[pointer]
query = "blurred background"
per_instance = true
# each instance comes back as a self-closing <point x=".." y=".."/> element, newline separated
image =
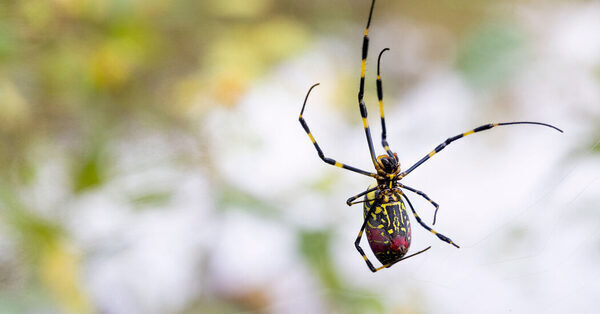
<point x="152" y="161"/>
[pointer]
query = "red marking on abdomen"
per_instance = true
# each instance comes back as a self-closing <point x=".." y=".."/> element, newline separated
<point x="377" y="240"/>
<point x="399" y="243"/>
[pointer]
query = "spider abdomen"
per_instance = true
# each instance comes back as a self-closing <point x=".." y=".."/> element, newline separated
<point x="388" y="226"/>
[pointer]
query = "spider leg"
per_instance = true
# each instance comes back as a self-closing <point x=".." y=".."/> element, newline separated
<point x="439" y="235"/>
<point x="361" y="201"/>
<point x="319" y="151"/>
<point x="384" y="142"/>
<point x="475" y="130"/>
<point x="361" y="90"/>
<point x="351" y="199"/>
<point x="359" y="249"/>
<point x="424" y="196"/>
<point x="405" y="257"/>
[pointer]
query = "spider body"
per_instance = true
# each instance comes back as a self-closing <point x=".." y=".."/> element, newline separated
<point x="385" y="216"/>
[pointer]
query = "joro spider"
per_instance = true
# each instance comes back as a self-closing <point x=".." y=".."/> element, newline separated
<point x="385" y="216"/>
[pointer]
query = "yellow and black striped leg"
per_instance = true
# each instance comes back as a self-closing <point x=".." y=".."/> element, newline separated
<point x="424" y="196"/>
<point x="384" y="142"/>
<point x="475" y="130"/>
<point x="360" y="250"/>
<point x="361" y="90"/>
<point x="405" y="257"/>
<point x="319" y="151"/>
<point x="439" y="235"/>
<point x="351" y="199"/>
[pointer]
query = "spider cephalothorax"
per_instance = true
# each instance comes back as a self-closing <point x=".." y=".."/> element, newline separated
<point x="387" y="165"/>
<point x="387" y="168"/>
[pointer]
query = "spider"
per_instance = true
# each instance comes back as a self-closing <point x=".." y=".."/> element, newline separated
<point x="385" y="216"/>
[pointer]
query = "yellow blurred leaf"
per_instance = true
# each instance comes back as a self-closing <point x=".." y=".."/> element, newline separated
<point x="108" y="68"/>
<point x="14" y="111"/>
<point x="113" y="63"/>
<point x="59" y="271"/>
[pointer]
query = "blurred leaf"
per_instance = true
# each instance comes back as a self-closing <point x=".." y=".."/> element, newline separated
<point x="88" y="175"/>
<point x="124" y="50"/>
<point x="152" y="198"/>
<point x="491" y="54"/>
<point x="15" y="111"/>
<point x="89" y="170"/>
<point x="59" y="270"/>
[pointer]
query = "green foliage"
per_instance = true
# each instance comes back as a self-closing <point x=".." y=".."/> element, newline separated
<point x="89" y="171"/>
<point x="156" y="198"/>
